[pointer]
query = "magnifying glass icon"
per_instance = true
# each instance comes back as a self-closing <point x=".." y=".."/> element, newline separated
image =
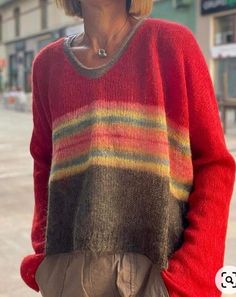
<point x="229" y="279"/>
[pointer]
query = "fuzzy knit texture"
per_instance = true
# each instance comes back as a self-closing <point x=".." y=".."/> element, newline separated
<point x="132" y="157"/>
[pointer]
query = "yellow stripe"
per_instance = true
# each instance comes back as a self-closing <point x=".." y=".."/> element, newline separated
<point x="178" y="136"/>
<point x="159" y="118"/>
<point x="115" y="162"/>
<point x="178" y="193"/>
<point x="110" y="147"/>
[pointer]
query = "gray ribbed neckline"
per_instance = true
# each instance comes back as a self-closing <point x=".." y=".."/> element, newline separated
<point x="95" y="72"/>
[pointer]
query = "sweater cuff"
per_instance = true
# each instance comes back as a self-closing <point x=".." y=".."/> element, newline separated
<point x="28" y="268"/>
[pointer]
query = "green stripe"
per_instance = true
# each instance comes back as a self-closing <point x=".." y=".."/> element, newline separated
<point x="185" y="149"/>
<point x="77" y="127"/>
<point x="106" y="153"/>
<point x="183" y="186"/>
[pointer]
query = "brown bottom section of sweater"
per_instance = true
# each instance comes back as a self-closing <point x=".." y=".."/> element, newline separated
<point x="87" y="274"/>
<point x="115" y="210"/>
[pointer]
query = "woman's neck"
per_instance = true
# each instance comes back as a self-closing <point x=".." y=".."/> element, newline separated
<point x="101" y="21"/>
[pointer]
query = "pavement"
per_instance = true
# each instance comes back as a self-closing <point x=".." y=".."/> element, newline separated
<point x="16" y="204"/>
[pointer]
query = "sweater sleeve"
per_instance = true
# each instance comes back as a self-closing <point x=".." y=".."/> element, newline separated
<point x="192" y="268"/>
<point x="40" y="149"/>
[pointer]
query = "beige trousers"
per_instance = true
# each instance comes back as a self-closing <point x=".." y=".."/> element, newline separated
<point x="86" y="274"/>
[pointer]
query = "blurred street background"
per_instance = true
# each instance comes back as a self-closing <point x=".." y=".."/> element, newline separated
<point x="26" y="26"/>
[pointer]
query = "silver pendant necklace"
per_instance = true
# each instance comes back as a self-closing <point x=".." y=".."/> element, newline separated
<point x="102" y="52"/>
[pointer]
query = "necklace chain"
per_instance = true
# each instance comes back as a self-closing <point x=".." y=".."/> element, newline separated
<point x="101" y="52"/>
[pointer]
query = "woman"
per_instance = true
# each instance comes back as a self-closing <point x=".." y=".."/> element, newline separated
<point x="132" y="175"/>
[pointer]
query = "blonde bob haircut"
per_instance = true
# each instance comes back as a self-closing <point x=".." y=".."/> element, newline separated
<point x="137" y="8"/>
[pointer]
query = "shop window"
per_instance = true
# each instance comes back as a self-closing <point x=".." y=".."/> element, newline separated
<point x="225" y="29"/>
<point x="44" y="13"/>
<point x="0" y="28"/>
<point x="28" y="67"/>
<point x="225" y="66"/>
<point x="13" y="74"/>
<point x="17" y="21"/>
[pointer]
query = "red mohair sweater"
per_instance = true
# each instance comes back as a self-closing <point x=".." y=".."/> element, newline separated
<point x="147" y="129"/>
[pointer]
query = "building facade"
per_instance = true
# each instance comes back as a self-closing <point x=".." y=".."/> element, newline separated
<point x="216" y="33"/>
<point x="181" y="11"/>
<point x="25" y="27"/>
<point x="213" y="23"/>
<point x="28" y="25"/>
